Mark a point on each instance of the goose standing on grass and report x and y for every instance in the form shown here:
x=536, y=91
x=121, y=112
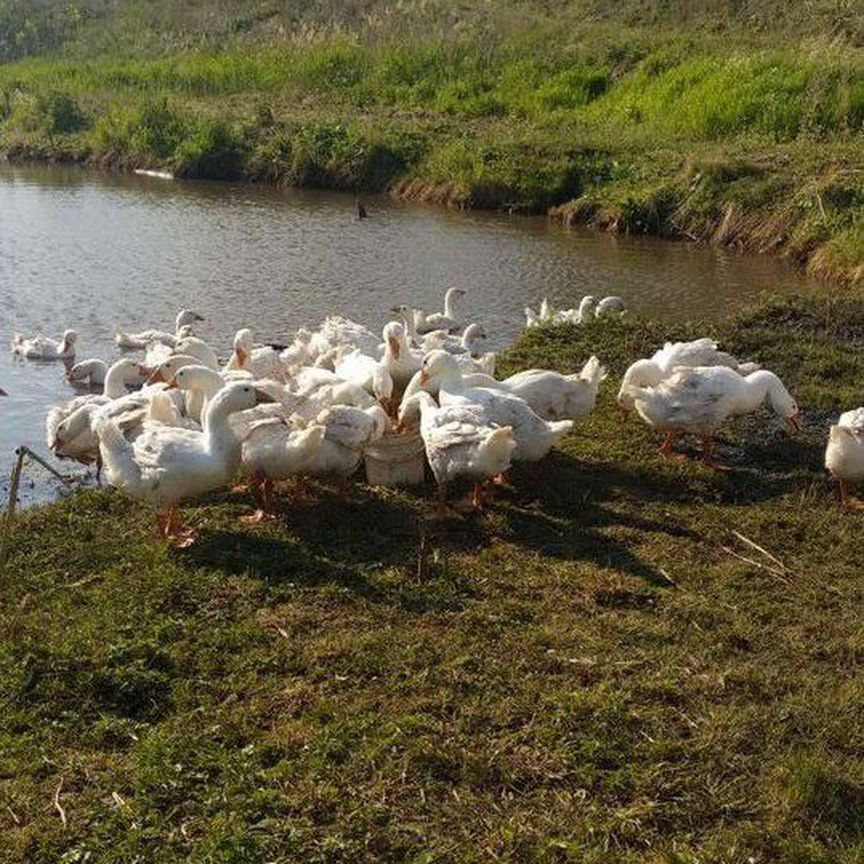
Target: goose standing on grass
x=844, y=456
x=673, y=355
x=165, y=465
x=534, y=436
x=448, y=320
x=88, y=372
x=697, y=401
x=42, y=348
x=186, y=318
x=551, y=395
x=459, y=442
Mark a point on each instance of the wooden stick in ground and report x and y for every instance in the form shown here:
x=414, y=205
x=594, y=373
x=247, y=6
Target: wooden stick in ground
x=36, y=457
x=58, y=806
x=14, y=483
x=422, y=552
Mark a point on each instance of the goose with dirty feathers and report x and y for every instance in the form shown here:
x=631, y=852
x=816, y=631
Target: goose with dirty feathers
x=165, y=465
x=185, y=320
x=534, y=436
x=672, y=356
x=40, y=347
x=551, y=395
x=844, y=455
x=459, y=442
x=698, y=401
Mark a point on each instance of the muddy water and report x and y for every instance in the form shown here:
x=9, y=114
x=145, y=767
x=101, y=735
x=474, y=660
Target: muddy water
x=97, y=253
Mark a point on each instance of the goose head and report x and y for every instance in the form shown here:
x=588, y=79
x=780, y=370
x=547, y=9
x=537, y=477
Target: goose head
x=244, y=342
x=186, y=318
x=196, y=378
x=166, y=371
x=440, y=366
x=782, y=401
x=70, y=337
x=473, y=334
x=394, y=337
x=642, y=373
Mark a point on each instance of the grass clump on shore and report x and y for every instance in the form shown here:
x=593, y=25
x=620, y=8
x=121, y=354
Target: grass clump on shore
x=597, y=668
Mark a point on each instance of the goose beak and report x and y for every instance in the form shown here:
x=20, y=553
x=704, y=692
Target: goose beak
x=241, y=355
x=263, y=398
x=155, y=375
x=424, y=376
x=394, y=347
x=796, y=422
x=172, y=384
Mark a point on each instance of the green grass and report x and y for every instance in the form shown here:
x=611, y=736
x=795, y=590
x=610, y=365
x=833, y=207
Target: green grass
x=591, y=670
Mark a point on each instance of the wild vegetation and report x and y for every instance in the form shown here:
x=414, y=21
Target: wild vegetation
x=734, y=122
x=623, y=659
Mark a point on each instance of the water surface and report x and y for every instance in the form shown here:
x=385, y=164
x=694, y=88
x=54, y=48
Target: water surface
x=100, y=252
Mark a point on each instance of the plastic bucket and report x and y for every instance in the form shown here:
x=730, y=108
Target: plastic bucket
x=396, y=460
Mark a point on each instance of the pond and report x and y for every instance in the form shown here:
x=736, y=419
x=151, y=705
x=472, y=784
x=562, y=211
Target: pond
x=98, y=253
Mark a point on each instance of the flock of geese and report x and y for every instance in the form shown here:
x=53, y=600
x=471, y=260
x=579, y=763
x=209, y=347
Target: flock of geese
x=178, y=422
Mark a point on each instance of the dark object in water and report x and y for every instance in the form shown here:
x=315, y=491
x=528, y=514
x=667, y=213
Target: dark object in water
x=361, y=211
x=276, y=346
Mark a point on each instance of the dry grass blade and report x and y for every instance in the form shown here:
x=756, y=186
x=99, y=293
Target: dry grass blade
x=753, y=545
x=57, y=805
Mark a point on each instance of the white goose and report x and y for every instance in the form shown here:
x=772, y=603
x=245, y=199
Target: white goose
x=459, y=442
x=68, y=430
x=261, y=361
x=186, y=318
x=195, y=347
x=368, y=373
x=534, y=436
x=88, y=372
x=551, y=395
x=448, y=320
x=399, y=358
x=844, y=455
x=164, y=465
x=697, y=401
x=42, y=348
x=673, y=355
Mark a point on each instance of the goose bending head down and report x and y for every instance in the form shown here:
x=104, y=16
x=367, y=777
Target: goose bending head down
x=164, y=465
x=697, y=401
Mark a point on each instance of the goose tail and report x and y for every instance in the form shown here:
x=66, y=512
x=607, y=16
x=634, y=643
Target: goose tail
x=559, y=428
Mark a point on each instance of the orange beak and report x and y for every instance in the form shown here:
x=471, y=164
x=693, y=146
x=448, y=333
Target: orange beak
x=241, y=356
x=262, y=398
x=394, y=347
x=172, y=384
x=424, y=376
x=155, y=376
x=796, y=422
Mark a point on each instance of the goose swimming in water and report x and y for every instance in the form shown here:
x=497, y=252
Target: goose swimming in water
x=42, y=348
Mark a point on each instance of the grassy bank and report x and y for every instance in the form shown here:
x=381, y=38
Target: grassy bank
x=597, y=669
x=734, y=125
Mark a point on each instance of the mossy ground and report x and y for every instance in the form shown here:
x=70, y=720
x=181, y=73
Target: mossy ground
x=598, y=668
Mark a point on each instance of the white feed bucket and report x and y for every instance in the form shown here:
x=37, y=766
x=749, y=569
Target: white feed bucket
x=396, y=460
